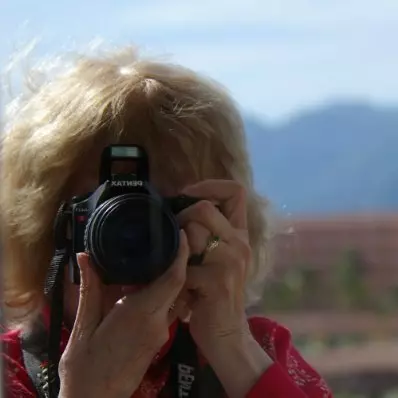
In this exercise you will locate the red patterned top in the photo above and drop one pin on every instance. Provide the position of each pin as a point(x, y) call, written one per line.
point(289, 377)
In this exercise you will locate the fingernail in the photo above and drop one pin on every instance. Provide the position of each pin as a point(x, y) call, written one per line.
point(79, 257)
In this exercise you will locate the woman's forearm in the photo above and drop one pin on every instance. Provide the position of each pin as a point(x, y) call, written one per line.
point(239, 363)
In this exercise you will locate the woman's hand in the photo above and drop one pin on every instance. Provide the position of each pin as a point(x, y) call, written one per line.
point(216, 289)
point(217, 286)
point(109, 357)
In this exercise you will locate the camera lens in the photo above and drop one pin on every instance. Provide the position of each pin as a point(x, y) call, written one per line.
point(132, 238)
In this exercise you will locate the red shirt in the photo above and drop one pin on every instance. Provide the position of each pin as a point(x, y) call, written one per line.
point(289, 377)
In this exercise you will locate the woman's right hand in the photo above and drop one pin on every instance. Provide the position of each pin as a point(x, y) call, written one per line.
point(109, 357)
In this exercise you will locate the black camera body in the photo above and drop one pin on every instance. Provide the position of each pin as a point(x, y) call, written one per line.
point(128, 229)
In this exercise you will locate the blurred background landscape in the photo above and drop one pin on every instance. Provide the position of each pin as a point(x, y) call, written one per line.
point(316, 81)
point(330, 174)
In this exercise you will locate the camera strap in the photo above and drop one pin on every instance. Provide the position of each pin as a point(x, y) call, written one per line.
point(34, 354)
point(54, 288)
point(183, 380)
point(41, 347)
point(188, 379)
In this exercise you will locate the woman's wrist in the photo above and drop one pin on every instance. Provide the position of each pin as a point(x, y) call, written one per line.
point(239, 362)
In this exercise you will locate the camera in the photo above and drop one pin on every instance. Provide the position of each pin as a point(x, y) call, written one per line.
point(129, 230)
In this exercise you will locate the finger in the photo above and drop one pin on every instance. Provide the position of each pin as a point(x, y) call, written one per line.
point(197, 236)
point(207, 284)
point(89, 312)
point(230, 195)
point(162, 293)
point(224, 261)
point(211, 282)
point(179, 308)
point(172, 316)
point(205, 214)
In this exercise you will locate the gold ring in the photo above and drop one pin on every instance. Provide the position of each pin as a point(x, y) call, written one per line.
point(212, 243)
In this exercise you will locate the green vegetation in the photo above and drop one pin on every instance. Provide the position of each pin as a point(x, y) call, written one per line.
point(294, 292)
point(303, 287)
point(351, 292)
point(388, 302)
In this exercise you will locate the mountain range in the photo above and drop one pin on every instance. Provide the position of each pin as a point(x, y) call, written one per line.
point(339, 158)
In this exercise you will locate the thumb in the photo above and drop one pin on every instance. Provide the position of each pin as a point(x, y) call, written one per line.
point(163, 291)
point(89, 311)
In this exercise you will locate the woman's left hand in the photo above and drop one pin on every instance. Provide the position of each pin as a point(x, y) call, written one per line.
point(217, 287)
point(215, 290)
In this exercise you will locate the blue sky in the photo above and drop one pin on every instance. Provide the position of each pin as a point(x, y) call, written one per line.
point(275, 56)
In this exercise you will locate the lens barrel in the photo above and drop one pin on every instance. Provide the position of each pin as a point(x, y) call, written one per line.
point(132, 239)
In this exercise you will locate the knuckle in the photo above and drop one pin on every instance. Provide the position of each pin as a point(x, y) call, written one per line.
point(196, 235)
point(240, 191)
point(205, 209)
point(241, 256)
point(243, 248)
point(83, 290)
point(246, 251)
point(67, 362)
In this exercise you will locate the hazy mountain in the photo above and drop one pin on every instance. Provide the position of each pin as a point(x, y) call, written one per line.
point(340, 158)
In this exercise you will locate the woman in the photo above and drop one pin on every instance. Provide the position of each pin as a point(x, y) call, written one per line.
point(116, 340)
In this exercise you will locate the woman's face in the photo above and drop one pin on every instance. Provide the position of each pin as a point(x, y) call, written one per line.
point(87, 181)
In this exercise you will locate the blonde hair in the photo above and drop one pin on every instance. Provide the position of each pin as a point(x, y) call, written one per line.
point(110, 98)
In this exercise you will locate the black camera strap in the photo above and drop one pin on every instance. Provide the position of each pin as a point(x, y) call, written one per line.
point(183, 380)
point(34, 353)
point(41, 347)
point(54, 288)
point(188, 379)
